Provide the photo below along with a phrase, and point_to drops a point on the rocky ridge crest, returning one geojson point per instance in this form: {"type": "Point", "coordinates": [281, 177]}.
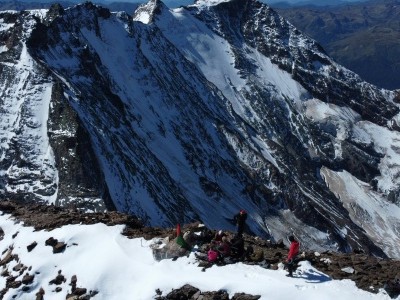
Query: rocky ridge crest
{"type": "Point", "coordinates": [368, 272]}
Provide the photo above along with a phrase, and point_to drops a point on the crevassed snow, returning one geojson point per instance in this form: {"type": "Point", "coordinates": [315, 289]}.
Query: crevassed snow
{"type": "Point", "coordinates": [378, 217]}
{"type": "Point", "coordinates": [340, 119]}
{"type": "Point", "coordinates": [387, 143]}
{"type": "Point", "coordinates": [120, 268]}
{"type": "Point", "coordinates": [319, 111]}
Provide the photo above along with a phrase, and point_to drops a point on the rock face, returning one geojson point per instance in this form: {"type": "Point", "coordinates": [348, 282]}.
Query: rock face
{"type": "Point", "coordinates": [193, 113]}
{"type": "Point", "coordinates": [191, 293]}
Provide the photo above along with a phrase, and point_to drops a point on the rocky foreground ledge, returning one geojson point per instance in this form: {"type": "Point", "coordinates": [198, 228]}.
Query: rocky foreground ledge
{"type": "Point", "coordinates": [369, 273]}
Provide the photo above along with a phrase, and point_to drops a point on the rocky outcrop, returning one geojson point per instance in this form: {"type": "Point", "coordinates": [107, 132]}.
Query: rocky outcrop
{"type": "Point", "coordinates": [191, 293]}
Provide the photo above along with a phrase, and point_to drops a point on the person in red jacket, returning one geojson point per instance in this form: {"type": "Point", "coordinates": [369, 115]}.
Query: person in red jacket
{"type": "Point", "coordinates": [293, 252]}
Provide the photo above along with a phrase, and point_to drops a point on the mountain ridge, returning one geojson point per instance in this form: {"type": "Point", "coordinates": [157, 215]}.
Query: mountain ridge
{"type": "Point", "coordinates": [369, 273]}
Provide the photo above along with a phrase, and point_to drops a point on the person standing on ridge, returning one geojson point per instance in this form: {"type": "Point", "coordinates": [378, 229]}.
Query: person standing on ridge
{"type": "Point", "coordinates": [240, 220]}
{"type": "Point", "coordinates": [293, 252]}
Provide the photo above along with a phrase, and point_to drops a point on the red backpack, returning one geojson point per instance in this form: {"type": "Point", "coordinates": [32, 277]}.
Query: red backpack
{"type": "Point", "coordinates": [212, 255]}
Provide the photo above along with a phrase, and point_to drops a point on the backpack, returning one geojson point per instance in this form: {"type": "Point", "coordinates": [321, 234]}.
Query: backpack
{"type": "Point", "coordinates": [212, 255]}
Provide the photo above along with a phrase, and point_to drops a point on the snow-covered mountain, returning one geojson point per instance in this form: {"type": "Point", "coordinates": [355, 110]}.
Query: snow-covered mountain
{"type": "Point", "coordinates": [192, 113]}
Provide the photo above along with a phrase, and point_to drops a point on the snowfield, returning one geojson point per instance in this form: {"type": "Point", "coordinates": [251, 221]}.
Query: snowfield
{"type": "Point", "coordinates": [119, 268]}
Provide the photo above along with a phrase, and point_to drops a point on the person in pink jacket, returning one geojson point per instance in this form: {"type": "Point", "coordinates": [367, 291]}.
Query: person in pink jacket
{"type": "Point", "coordinates": [293, 252]}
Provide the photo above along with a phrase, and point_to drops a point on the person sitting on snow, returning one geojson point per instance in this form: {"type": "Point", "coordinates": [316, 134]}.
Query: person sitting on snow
{"type": "Point", "coordinates": [224, 248]}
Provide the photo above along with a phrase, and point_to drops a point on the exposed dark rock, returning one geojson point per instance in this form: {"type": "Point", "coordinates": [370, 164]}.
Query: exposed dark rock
{"type": "Point", "coordinates": [54, 11]}
{"type": "Point", "coordinates": [58, 280]}
{"type": "Point", "coordinates": [11, 283]}
{"type": "Point", "coordinates": [59, 247]}
{"type": "Point", "coordinates": [31, 246]}
{"type": "Point", "coordinates": [51, 242]}
{"type": "Point", "coordinates": [185, 292]}
{"type": "Point", "coordinates": [28, 279]}
{"type": "Point", "coordinates": [5, 273]}
{"type": "Point", "coordinates": [79, 291]}
{"type": "Point", "coordinates": [40, 294]}
{"type": "Point", "coordinates": [243, 296]}
{"type": "Point", "coordinates": [8, 257]}
{"type": "Point", "coordinates": [44, 219]}
{"type": "Point", "coordinates": [18, 267]}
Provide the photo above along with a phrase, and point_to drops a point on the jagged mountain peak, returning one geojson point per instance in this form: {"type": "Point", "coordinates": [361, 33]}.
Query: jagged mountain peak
{"type": "Point", "coordinates": [146, 12]}
{"type": "Point", "coordinates": [205, 3]}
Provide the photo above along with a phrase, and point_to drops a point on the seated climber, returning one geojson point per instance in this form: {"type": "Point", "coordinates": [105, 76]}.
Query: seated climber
{"type": "Point", "coordinates": [224, 248]}
{"type": "Point", "coordinates": [237, 247]}
{"type": "Point", "coordinates": [219, 235]}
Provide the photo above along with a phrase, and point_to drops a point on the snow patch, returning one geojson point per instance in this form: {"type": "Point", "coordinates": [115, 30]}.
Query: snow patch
{"type": "Point", "coordinates": [368, 209]}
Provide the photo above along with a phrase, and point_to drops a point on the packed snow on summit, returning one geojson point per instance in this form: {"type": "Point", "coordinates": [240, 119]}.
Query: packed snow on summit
{"type": "Point", "coordinates": [119, 268]}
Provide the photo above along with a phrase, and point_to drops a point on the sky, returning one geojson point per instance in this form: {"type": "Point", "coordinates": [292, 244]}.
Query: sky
{"type": "Point", "coordinates": [120, 268]}
{"type": "Point", "coordinates": [315, 1]}
{"type": "Point", "coordinates": [176, 3]}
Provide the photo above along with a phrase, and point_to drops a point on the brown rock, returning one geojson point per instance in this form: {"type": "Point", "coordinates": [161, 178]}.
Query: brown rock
{"type": "Point", "coordinates": [39, 295]}
{"type": "Point", "coordinates": [58, 280]}
{"type": "Point", "coordinates": [80, 291]}
{"type": "Point", "coordinates": [5, 273]}
{"type": "Point", "coordinates": [59, 247]}
{"type": "Point", "coordinates": [74, 279]}
{"type": "Point", "coordinates": [243, 296]}
{"type": "Point", "coordinates": [13, 284]}
{"type": "Point", "coordinates": [8, 257]}
{"type": "Point", "coordinates": [27, 279]}
{"type": "Point", "coordinates": [18, 267]}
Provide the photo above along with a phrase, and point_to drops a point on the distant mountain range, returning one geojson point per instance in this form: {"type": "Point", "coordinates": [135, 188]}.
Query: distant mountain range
{"type": "Point", "coordinates": [278, 3]}
{"type": "Point", "coordinates": [129, 7]}
{"type": "Point", "coordinates": [364, 37]}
